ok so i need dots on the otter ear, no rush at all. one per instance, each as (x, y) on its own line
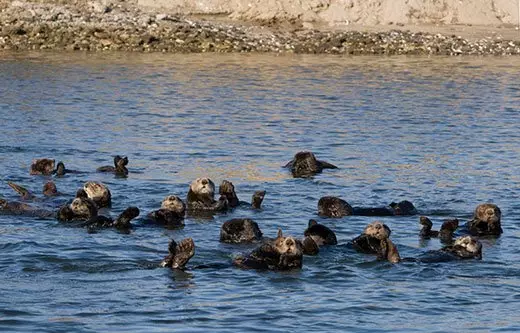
(279, 233)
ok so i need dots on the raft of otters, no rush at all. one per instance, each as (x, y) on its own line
(278, 253)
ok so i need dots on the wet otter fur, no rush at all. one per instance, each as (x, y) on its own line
(119, 168)
(304, 164)
(42, 166)
(400, 208)
(375, 240)
(445, 234)
(321, 234)
(171, 213)
(227, 189)
(485, 221)
(61, 170)
(240, 231)
(179, 254)
(333, 207)
(99, 193)
(49, 190)
(20, 208)
(466, 247)
(201, 197)
(282, 253)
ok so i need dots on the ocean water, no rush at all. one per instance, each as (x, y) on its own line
(440, 132)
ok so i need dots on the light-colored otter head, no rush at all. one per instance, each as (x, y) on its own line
(470, 244)
(489, 213)
(377, 230)
(83, 207)
(173, 203)
(203, 186)
(287, 245)
(98, 192)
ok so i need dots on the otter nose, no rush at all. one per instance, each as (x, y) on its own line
(204, 181)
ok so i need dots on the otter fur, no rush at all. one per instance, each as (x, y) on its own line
(201, 197)
(485, 221)
(375, 240)
(304, 164)
(179, 254)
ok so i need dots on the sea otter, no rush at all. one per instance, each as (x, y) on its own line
(24, 209)
(227, 189)
(179, 254)
(240, 231)
(445, 234)
(61, 170)
(49, 190)
(304, 164)
(330, 206)
(201, 197)
(84, 210)
(119, 168)
(486, 220)
(171, 213)
(465, 247)
(99, 193)
(42, 166)
(333, 207)
(375, 240)
(321, 234)
(282, 253)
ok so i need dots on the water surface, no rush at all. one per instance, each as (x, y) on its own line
(440, 132)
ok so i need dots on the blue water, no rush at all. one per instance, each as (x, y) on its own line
(440, 132)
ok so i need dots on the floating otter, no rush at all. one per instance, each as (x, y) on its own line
(201, 197)
(282, 253)
(20, 208)
(99, 193)
(486, 220)
(304, 164)
(119, 167)
(240, 231)
(83, 209)
(227, 189)
(375, 240)
(321, 234)
(179, 254)
(49, 190)
(42, 166)
(171, 213)
(445, 234)
(465, 247)
(333, 207)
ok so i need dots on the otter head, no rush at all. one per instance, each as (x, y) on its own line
(49, 189)
(42, 166)
(304, 164)
(203, 186)
(287, 245)
(489, 213)
(470, 244)
(377, 230)
(99, 193)
(83, 208)
(404, 207)
(173, 203)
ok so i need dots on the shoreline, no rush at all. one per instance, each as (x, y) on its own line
(92, 26)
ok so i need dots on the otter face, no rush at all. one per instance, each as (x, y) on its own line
(173, 203)
(98, 192)
(83, 207)
(377, 230)
(287, 245)
(203, 186)
(404, 207)
(489, 213)
(50, 189)
(469, 243)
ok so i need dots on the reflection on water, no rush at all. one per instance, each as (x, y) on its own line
(441, 132)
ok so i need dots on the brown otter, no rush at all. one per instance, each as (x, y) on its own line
(445, 234)
(486, 220)
(99, 193)
(171, 213)
(179, 254)
(20, 208)
(465, 247)
(227, 189)
(282, 253)
(49, 190)
(333, 207)
(240, 231)
(42, 166)
(304, 164)
(375, 240)
(201, 197)
(119, 168)
(321, 234)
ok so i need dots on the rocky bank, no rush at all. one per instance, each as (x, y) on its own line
(124, 26)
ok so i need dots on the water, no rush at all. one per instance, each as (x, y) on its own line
(440, 132)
